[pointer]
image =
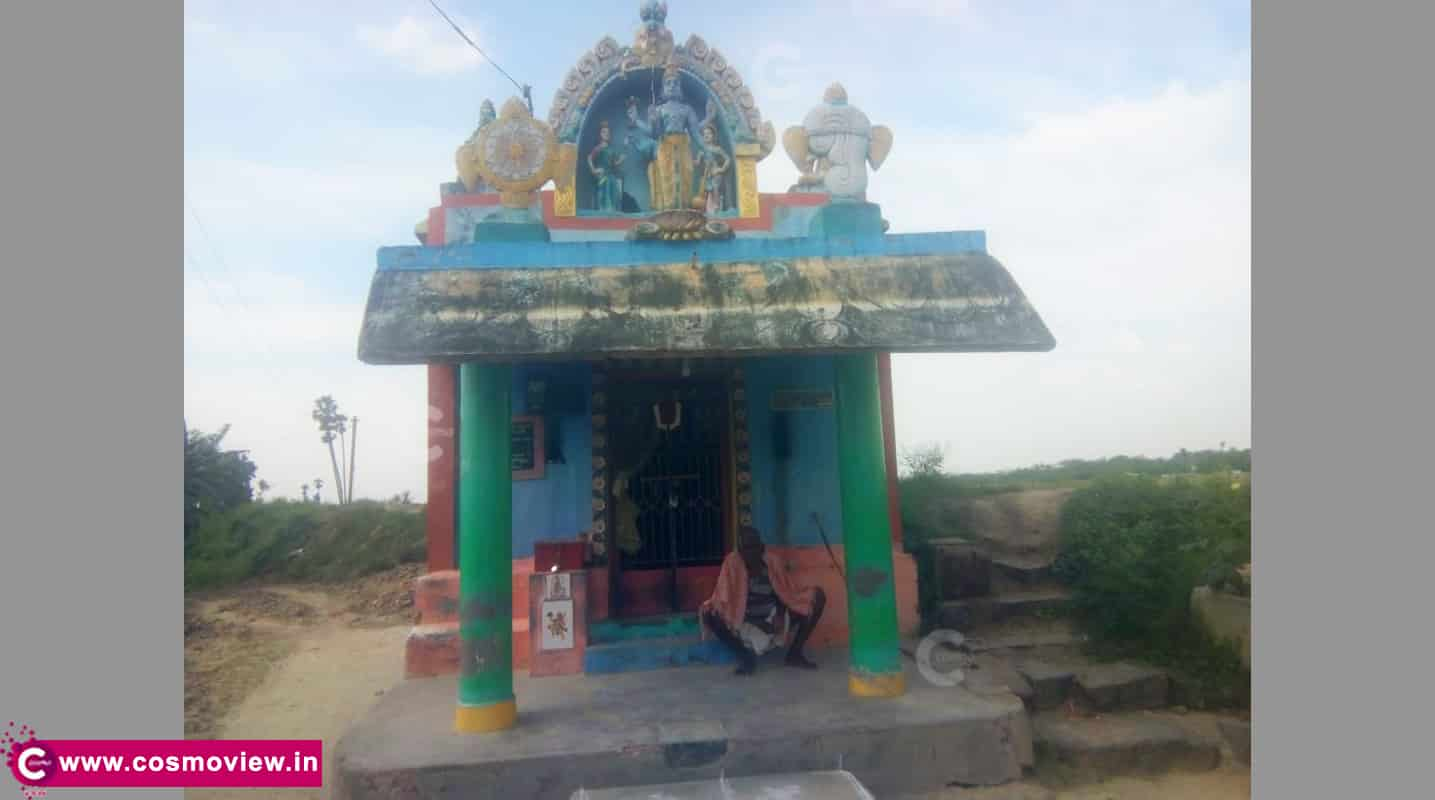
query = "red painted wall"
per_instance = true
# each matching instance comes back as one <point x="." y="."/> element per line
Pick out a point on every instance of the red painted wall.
<point x="442" y="460"/>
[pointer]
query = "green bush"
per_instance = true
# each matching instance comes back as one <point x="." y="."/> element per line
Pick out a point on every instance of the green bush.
<point x="1132" y="551"/>
<point x="302" y="541"/>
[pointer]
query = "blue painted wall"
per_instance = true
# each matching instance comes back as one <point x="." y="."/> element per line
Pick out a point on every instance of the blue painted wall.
<point x="807" y="480"/>
<point x="559" y="505"/>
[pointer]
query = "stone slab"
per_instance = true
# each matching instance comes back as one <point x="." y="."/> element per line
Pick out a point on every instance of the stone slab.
<point x="1121" y="744"/>
<point x="675" y="725"/>
<point x="1050" y="682"/>
<point x="1123" y="685"/>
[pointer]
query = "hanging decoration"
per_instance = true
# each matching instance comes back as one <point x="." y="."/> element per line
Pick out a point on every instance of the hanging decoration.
<point x="668" y="415"/>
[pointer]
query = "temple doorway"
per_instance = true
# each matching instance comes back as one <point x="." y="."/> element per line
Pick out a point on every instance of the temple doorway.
<point x="670" y="448"/>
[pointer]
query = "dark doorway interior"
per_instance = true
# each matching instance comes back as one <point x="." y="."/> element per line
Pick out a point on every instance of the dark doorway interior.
<point x="668" y="441"/>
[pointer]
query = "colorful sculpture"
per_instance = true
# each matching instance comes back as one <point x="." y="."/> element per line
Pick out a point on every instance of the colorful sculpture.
<point x="516" y="154"/>
<point x="833" y="147"/>
<point x="654" y="42"/>
<point x="605" y="162"/>
<point x="713" y="164"/>
<point x="665" y="140"/>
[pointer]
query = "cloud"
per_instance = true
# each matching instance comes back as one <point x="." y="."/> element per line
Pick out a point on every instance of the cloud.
<point x="937" y="9"/>
<point x="358" y="185"/>
<point x="1127" y="223"/>
<point x="427" y="47"/>
<point x="200" y="27"/>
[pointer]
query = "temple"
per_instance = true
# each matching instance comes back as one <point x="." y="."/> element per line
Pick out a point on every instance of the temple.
<point x="633" y="351"/>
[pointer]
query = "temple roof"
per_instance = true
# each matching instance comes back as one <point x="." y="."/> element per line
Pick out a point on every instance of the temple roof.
<point x="508" y="301"/>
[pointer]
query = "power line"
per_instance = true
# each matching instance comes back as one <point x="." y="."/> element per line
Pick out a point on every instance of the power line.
<point x="231" y="283"/>
<point x="250" y="317"/>
<point x="522" y="87"/>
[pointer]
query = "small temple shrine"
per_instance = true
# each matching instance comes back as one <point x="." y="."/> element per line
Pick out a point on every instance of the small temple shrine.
<point x="634" y="351"/>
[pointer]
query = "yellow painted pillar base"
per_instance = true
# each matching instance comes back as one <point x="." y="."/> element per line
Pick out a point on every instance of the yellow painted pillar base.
<point x="485" y="719"/>
<point x="893" y="685"/>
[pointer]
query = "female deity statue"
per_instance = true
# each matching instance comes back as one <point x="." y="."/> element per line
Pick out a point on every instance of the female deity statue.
<point x="713" y="164"/>
<point x="605" y="162"/>
<point x="665" y="139"/>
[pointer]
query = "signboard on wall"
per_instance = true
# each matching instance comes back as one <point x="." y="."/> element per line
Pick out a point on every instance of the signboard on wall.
<point x="527" y="455"/>
<point x="801" y="399"/>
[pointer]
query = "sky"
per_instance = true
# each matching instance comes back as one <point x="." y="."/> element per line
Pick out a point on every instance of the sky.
<point x="1104" y="147"/>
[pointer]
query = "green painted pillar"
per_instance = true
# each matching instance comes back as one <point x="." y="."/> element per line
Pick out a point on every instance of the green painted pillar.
<point x="485" y="529"/>
<point x="876" y="669"/>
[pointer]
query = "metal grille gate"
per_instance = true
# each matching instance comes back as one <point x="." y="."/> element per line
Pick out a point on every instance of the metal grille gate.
<point x="679" y="490"/>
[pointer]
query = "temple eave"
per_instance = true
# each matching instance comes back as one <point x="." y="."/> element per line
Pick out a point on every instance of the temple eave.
<point x="930" y="303"/>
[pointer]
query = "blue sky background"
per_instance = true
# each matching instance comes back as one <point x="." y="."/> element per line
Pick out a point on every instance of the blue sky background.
<point x="1104" y="147"/>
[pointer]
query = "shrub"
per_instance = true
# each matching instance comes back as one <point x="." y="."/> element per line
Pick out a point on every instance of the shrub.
<point x="215" y="479"/>
<point x="1132" y="551"/>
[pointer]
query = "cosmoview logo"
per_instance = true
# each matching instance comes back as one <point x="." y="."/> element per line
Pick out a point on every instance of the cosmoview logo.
<point x="926" y="658"/>
<point x="32" y="762"/>
<point x="35" y="763"/>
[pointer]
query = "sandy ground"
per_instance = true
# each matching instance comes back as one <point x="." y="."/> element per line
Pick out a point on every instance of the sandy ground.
<point x="292" y="662"/>
<point x="285" y="662"/>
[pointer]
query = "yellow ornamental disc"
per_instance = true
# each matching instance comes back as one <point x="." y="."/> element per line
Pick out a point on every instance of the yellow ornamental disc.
<point x="516" y="153"/>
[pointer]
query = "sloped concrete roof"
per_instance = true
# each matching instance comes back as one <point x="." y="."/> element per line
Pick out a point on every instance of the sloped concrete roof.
<point x="936" y="292"/>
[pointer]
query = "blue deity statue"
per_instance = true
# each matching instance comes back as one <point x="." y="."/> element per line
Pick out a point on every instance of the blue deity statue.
<point x="665" y="140"/>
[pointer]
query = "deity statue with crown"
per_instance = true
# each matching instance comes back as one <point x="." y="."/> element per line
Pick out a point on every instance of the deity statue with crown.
<point x="665" y="138"/>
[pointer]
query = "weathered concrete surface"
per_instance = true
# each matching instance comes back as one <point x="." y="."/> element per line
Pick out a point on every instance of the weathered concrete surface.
<point x="685" y="724"/>
<point x="825" y="785"/>
<point x="894" y="301"/>
<point x="1130" y="743"/>
<point x="1123" y="685"/>
<point x="1010" y="791"/>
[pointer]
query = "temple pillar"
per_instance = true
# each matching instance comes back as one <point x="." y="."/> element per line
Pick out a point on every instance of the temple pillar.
<point x="889" y="444"/>
<point x="439" y="510"/>
<point x="485" y="553"/>
<point x="876" y="658"/>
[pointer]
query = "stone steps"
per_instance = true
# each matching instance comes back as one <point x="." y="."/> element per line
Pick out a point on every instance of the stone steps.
<point x="970" y="612"/>
<point x="1015" y="572"/>
<point x="1117" y="686"/>
<point x="1024" y="636"/>
<point x="1124" y="743"/>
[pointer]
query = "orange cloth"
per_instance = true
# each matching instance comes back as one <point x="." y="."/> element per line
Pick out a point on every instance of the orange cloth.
<point x="729" y="598"/>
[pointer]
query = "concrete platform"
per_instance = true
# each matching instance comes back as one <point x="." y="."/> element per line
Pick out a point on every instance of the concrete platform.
<point x="675" y="725"/>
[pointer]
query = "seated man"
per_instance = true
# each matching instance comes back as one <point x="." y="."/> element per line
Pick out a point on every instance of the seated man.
<point x="752" y="590"/>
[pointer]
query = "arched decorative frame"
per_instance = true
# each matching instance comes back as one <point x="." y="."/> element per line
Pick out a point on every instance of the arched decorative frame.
<point x="749" y="136"/>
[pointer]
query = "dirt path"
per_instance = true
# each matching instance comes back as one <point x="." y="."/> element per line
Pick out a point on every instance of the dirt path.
<point x="284" y="662"/>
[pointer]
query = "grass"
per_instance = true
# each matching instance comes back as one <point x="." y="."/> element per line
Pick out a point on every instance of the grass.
<point x="302" y="542"/>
